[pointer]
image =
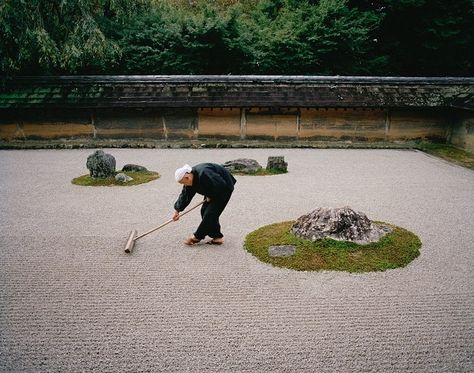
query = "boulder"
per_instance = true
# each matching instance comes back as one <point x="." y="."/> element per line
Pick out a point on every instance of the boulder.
<point x="100" y="164"/>
<point x="342" y="224"/>
<point x="243" y="165"/>
<point x="133" y="168"/>
<point x="121" y="177"/>
<point x="277" y="163"/>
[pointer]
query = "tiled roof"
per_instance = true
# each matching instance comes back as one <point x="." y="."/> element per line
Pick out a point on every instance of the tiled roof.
<point x="234" y="91"/>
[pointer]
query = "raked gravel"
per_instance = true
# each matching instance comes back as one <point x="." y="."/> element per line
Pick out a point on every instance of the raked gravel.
<point x="71" y="300"/>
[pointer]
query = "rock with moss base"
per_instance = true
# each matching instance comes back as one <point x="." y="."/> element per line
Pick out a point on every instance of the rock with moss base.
<point x="277" y="163"/>
<point x="101" y="165"/>
<point x="342" y="224"/>
<point x="244" y="165"/>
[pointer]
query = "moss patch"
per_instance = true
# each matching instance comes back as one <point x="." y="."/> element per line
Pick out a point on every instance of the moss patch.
<point x="394" y="250"/>
<point x="449" y="153"/>
<point x="140" y="177"/>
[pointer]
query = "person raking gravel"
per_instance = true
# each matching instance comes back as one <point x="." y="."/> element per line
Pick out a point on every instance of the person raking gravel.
<point x="216" y="184"/>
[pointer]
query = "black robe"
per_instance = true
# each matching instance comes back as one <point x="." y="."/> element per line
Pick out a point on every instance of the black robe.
<point x="213" y="181"/>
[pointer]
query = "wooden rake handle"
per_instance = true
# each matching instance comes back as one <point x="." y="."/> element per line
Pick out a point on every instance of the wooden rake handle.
<point x="167" y="222"/>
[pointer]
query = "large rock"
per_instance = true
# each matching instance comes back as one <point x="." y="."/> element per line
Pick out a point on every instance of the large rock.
<point x="342" y="224"/>
<point x="100" y="164"/>
<point x="243" y="165"/>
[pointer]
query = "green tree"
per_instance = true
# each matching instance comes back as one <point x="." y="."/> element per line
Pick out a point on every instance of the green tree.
<point x="59" y="36"/>
<point x="345" y="37"/>
<point x="174" y="40"/>
<point x="288" y="37"/>
<point x="421" y="37"/>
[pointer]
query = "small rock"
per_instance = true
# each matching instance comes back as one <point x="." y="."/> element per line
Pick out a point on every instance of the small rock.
<point x="122" y="178"/>
<point x="277" y="163"/>
<point x="133" y="168"/>
<point x="281" y="250"/>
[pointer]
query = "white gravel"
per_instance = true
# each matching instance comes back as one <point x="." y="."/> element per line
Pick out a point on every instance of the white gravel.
<point x="71" y="300"/>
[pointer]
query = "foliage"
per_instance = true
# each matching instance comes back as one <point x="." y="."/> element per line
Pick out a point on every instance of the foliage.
<point x="423" y="38"/>
<point x="345" y="37"/>
<point x="139" y="177"/>
<point x="296" y="37"/>
<point x="60" y="36"/>
<point x="169" y="41"/>
<point x="394" y="250"/>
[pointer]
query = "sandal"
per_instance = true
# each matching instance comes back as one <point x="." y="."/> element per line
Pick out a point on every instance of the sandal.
<point x="216" y="241"/>
<point x="191" y="241"/>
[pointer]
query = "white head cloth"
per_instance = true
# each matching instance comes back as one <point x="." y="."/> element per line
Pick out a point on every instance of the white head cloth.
<point x="180" y="172"/>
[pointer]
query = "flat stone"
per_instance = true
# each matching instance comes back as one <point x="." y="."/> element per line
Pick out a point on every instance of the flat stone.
<point x="281" y="250"/>
<point x="121" y="177"/>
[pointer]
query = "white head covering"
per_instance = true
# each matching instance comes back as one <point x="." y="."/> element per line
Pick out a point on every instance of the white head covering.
<point x="180" y="172"/>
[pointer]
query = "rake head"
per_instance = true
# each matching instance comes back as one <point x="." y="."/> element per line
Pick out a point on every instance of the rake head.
<point x="130" y="242"/>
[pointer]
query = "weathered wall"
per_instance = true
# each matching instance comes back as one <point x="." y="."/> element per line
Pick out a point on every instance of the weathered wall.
<point x="149" y="123"/>
<point x="420" y="124"/>
<point x="103" y="123"/>
<point x="462" y="134"/>
<point x="220" y="122"/>
<point x="249" y="123"/>
<point x="166" y="107"/>
<point x="44" y="124"/>
<point x="343" y="124"/>
<point x="266" y="123"/>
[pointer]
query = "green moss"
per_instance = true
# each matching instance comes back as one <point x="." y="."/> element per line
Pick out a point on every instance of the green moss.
<point x="138" y="178"/>
<point x="449" y="153"/>
<point x="396" y="249"/>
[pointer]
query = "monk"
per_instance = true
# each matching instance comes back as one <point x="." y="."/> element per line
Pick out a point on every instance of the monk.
<point x="216" y="184"/>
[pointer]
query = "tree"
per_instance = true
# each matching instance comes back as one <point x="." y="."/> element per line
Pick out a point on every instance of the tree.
<point x="297" y="37"/>
<point x="421" y="37"/>
<point x="54" y="36"/>
<point x="174" y="41"/>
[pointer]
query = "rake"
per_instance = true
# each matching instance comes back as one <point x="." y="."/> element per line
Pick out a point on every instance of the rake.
<point x="133" y="237"/>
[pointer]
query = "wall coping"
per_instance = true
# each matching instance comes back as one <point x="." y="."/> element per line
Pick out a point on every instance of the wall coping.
<point x="196" y="91"/>
<point x="286" y="79"/>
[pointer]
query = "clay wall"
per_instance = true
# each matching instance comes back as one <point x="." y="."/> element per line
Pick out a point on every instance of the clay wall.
<point x="241" y="123"/>
<point x="371" y="109"/>
<point x="462" y="134"/>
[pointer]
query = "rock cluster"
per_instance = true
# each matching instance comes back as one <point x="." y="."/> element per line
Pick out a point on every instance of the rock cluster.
<point x="243" y="165"/>
<point x="100" y="164"/>
<point x="343" y="224"/>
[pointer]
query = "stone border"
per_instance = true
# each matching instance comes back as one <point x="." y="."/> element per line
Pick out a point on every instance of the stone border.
<point x="87" y="143"/>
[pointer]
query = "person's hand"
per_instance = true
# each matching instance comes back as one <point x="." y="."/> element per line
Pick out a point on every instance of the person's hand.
<point x="175" y="216"/>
